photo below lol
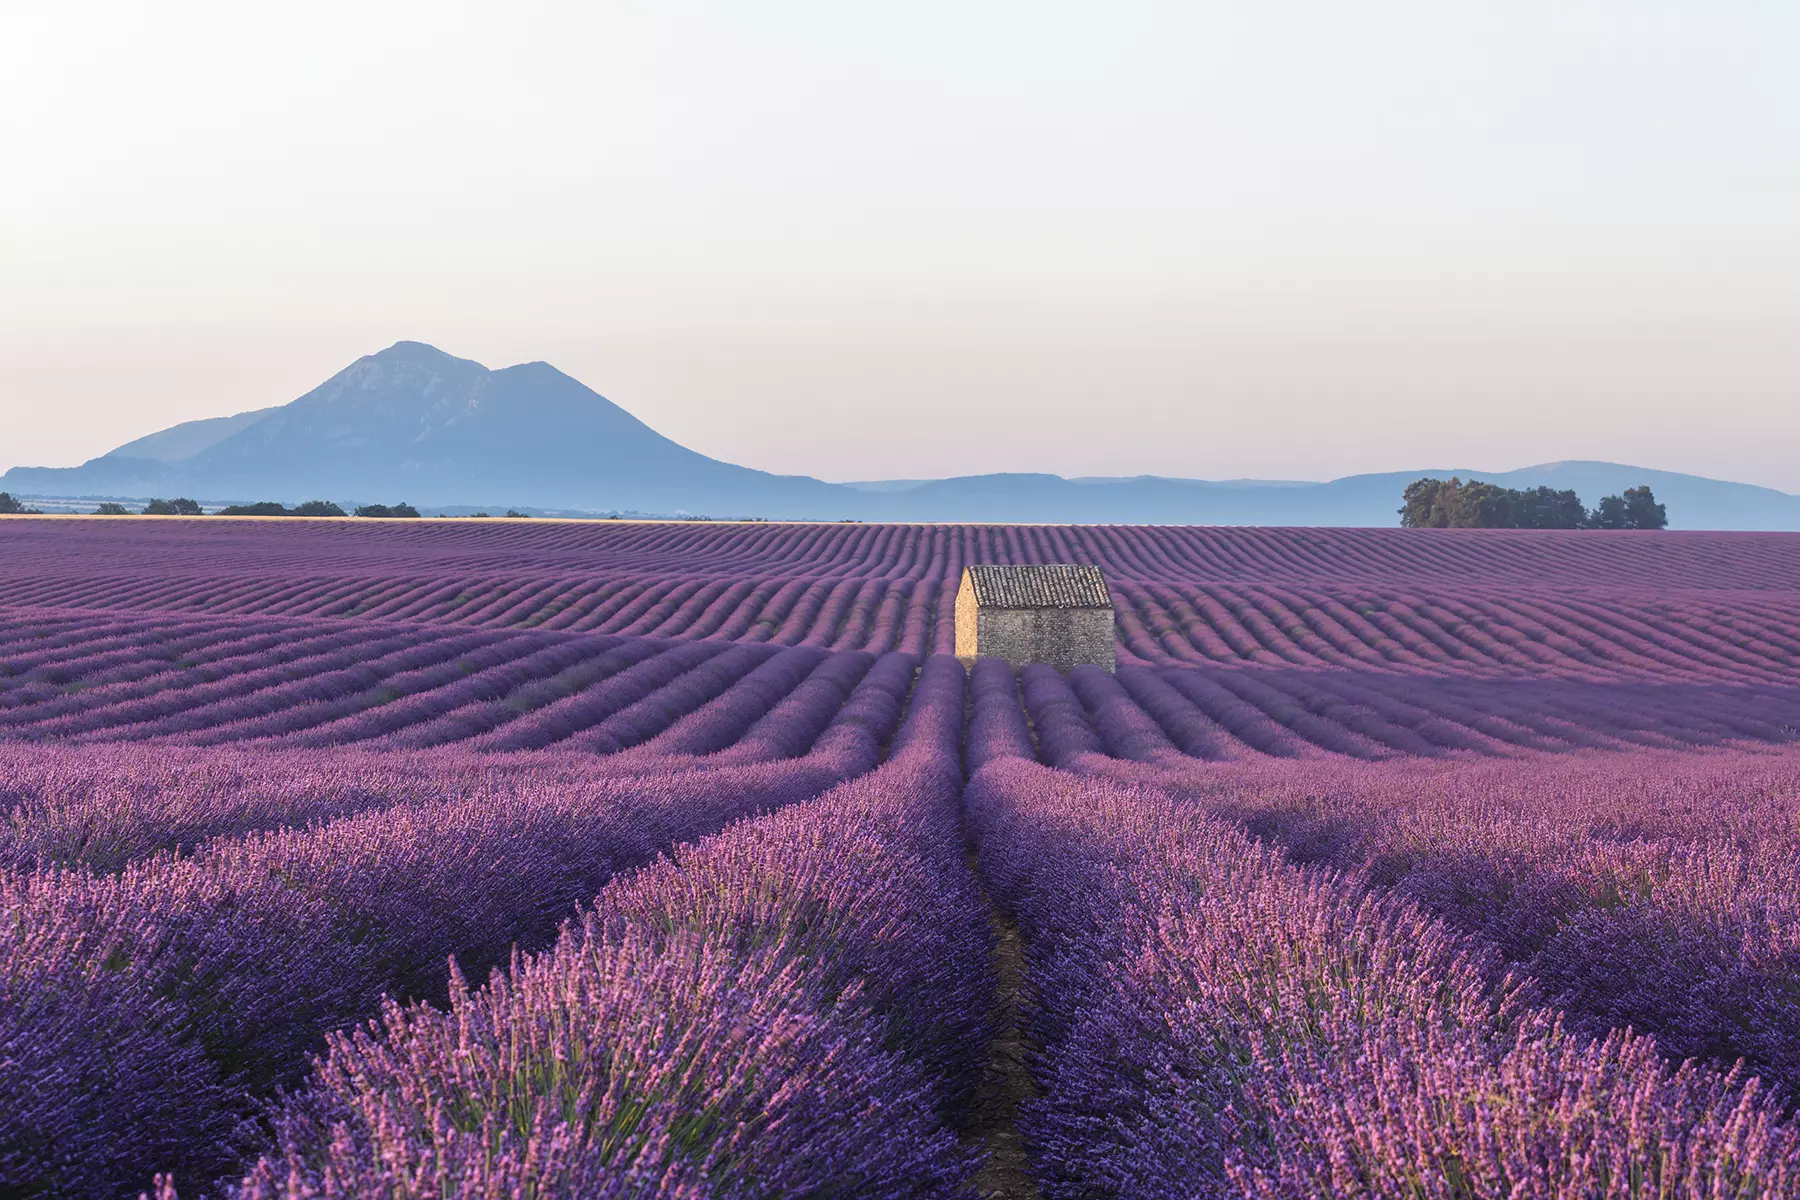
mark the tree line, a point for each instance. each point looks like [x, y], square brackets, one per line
[1453, 504]
[182, 506]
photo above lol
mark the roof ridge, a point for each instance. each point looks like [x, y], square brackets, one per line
[1038, 585]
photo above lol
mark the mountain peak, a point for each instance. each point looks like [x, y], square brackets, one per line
[537, 370]
[419, 354]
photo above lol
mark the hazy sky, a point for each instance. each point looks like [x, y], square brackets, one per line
[1266, 238]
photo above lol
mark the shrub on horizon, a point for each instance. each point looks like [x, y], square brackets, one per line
[1636, 509]
[12, 507]
[401, 509]
[180, 506]
[112, 508]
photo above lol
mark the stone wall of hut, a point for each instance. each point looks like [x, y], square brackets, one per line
[1063, 637]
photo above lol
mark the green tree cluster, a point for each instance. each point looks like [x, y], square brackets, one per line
[1636, 509]
[272, 508]
[180, 506]
[387, 510]
[1453, 504]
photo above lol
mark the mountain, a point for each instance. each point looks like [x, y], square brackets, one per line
[413, 423]
[417, 424]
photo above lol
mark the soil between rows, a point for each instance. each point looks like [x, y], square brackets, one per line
[1006, 1079]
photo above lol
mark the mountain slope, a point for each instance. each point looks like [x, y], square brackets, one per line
[141, 467]
[186, 439]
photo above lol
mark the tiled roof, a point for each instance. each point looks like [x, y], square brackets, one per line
[1046, 585]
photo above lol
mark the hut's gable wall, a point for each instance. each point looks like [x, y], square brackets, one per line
[965, 618]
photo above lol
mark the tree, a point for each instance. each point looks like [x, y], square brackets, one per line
[262, 508]
[1475, 505]
[1453, 504]
[1419, 503]
[318, 508]
[12, 506]
[1610, 513]
[180, 506]
[1642, 511]
[1636, 509]
[513, 512]
[1546, 508]
[112, 508]
[402, 509]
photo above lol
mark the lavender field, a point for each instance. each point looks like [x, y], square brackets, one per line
[530, 859]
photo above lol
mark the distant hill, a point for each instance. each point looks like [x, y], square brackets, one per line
[413, 423]
[1694, 502]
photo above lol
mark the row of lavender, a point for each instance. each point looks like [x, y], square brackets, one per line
[104, 806]
[1461, 632]
[166, 681]
[1635, 633]
[327, 684]
[159, 554]
[1149, 715]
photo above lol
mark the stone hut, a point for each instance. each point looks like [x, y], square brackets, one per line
[1055, 613]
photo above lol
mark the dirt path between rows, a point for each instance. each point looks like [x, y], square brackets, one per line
[1007, 1081]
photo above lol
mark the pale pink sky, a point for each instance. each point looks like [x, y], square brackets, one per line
[1283, 239]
